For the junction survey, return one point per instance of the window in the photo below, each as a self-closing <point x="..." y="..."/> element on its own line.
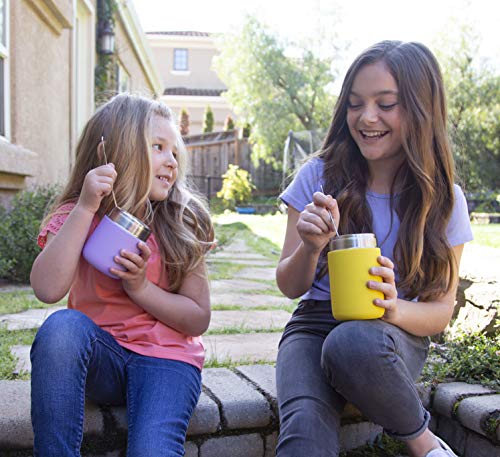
<point x="4" y="68"/>
<point x="180" y="59"/>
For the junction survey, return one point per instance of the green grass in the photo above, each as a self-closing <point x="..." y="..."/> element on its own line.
<point x="16" y="302"/>
<point x="486" y="235"/>
<point x="224" y="270"/>
<point x="7" y="360"/>
<point x="228" y="362"/>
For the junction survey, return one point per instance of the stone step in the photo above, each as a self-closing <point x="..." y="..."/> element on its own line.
<point x="248" y="300"/>
<point x="251" y="320"/>
<point x="33" y="318"/>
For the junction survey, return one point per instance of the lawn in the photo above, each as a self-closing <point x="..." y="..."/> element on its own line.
<point x="273" y="226"/>
<point x="487" y="235"/>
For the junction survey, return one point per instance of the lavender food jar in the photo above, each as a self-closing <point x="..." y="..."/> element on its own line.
<point x="116" y="231"/>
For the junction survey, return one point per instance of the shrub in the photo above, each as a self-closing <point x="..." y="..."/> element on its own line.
<point x="236" y="186"/>
<point x="19" y="227"/>
<point x="472" y="358"/>
<point x="208" y="120"/>
<point x="184" y="122"/>
<point x="228" y="123"/>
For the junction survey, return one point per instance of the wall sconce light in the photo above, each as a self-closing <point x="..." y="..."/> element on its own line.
<point x="107" y="38"/>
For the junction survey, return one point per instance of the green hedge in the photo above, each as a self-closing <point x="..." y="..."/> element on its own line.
<point x="19" y="227"/>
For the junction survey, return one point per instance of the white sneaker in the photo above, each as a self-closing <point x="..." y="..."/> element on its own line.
<point x="444" y="451"/>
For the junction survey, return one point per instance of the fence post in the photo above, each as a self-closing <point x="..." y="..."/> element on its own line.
<point x="209" y="187"/>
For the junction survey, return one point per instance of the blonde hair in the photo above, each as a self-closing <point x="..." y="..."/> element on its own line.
<point x="425" y="261"/>
<point x="181" y="223"/>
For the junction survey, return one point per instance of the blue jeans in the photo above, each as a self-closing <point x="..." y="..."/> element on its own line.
<point x="72" y="358"/>
<point x="322" y="363"/>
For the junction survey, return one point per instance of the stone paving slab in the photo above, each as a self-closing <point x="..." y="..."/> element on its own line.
<point x="236" y="245"/>
<point x="237" y="255"/>
<point x="23" y="358"/>
<point x="248" y="300"/>
<point x="242" y="347"/>
<point x="249" y="320"/>
<point x="257" y="273"/>
<point x="249" y="262"/>
<point x="32" y="318"/>
<point x="227" y="285"/>
<point x="242" y="405"/>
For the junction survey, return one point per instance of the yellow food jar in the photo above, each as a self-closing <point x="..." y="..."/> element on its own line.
<point x="349" y="259"/>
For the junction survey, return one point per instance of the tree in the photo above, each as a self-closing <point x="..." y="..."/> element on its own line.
<point x="271" y="90"/>
<point x="184" y="122"/>
<point x="473" y="92"/>
<point x="228" y="123"/>
<point x="208" y="120"/>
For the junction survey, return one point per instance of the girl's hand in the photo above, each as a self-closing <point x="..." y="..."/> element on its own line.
<point x="134" y="278"/>
<point x="314" y="225"/>
<point x="98" y="183"/>
<point x="387" y="287"/>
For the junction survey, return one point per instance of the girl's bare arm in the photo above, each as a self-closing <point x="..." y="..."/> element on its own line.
<point x="54" y="268"/>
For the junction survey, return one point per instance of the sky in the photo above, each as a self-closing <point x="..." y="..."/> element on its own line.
<point x="357" y="23"/>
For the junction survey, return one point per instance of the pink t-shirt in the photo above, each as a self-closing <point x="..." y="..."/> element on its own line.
<point x="103" y="300"/>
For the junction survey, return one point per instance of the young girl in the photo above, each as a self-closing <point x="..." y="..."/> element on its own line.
<point x="386" y="167"/>
<point x="134" y="340"/>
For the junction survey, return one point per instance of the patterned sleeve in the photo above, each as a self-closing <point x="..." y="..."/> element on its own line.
<point x="55" y="223"/>
<point x="307" y="181"/>
<point x="459" y="230"/>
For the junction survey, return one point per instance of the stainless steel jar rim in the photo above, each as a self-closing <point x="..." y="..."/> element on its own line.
<point x="130" y="223"/>
<point x="353" y="240"/>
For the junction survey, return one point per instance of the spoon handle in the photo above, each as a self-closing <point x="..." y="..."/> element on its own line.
<point x="332" y="220"/>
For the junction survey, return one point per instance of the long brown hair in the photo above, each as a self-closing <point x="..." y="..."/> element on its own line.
<point x="181" y="223"/>
<point x="424" y="182"/>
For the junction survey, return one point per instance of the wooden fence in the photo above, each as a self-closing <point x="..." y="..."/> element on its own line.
<point x="209" y="155"/>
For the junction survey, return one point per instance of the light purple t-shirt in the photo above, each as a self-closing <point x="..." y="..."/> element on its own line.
<point x="309" y="179"/>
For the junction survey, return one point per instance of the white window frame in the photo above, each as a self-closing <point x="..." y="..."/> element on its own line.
<point x="4" y="54"/>
<point x="174" y="68"/>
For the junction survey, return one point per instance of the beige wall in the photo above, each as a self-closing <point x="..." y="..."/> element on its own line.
<point x="199" y="76"/>
<point x="40" y="91"/>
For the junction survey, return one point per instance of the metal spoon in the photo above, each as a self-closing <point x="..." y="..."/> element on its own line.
<point x="332" y="220"/>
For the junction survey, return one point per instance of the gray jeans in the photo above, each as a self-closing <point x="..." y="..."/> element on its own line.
<point x="322" y="363"/>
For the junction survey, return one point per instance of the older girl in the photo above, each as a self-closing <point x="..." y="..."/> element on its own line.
<point x="387" y="162"/>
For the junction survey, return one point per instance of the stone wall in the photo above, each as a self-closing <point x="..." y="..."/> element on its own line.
<point x="236" y="416"/>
